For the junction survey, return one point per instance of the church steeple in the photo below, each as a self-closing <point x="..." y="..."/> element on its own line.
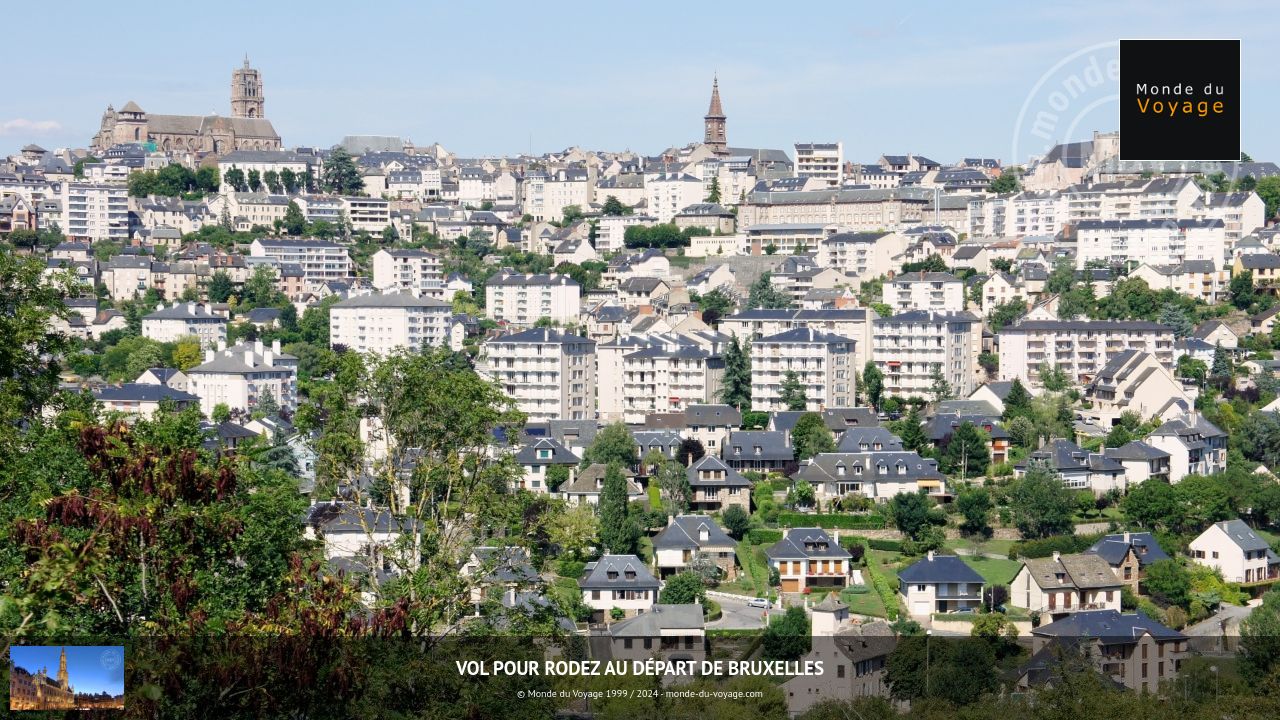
<point x="64" y="681"/>
<point x="714" y="122"/>
<point x="247" y="100"/>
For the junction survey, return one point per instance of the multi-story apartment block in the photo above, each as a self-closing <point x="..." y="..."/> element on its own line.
<point x="367" y="213"/>
<point x="1018" y="214"/>
<point x="242" y="377"/>
<point x="933" y="291"/>
<point x="1242" y="213"/>
<point x="321" y="208"/>
<point x="264" y="161"/>
<point x="862" y="254"/>
<point x="669" y="375"/>
<point x="1194" y="278"/>
<point x="824" y="161"/>
<point x="611" y="230"/>
<point x="1080" y="348"/>
<point x="550" y="374"/>
<point x="522" y="299"/>
<point x="912" y="348"/>
<point x="849" y="209"/>
<point x="388" y="322"/>
<point x="546" y="195"/>
<point x="95" y="211"/>
<point x="666" y="194"/>
<point x="1161" y="242"/>
<point x="180" y="320"/>
<point x="822" y="362"/>
<point x="320" y="260"/>
<point x="1131" y="650"/>
<point x="412" y="271"/>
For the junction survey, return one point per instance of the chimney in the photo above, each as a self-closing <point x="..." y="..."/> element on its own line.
<point x="257" y="346"/>
<point x="1057" y="556"/>
<point x="159" y="306"/>
<point x="208" y="356"/>
<point x="1126" y="537"/>
<point x="268" y="358"/>
<point x="191" y="308"/>
<point x="222" y="345"/>
<point x="835" y="536"/>
<point x="248" y="358"/>
<point x="275" y="346"/>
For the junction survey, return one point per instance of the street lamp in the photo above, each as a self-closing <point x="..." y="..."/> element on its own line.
<point x="1216" y="683"/>
<point x="927" y="635"/>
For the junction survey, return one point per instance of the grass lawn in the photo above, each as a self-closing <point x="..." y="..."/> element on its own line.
<point x="682" y="261"/>
<point x="994" y="571"/>
<point x="655" y="497"/>
<point x="1111" y="513"/>
<point x="753" y="573"/>
<point x="995" y="546"/>
<point x="646" y="549"/>
<point x="864" y="603"/>
<point x="566" y="589"/>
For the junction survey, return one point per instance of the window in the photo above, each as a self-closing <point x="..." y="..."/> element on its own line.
<point x="921" y="588"/>
<point x="840" y="671"/>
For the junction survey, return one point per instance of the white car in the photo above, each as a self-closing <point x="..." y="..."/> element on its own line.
<point x="762" y="603"/>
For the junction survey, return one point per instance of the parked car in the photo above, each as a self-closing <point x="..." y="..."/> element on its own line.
<point x="762" y="603"/>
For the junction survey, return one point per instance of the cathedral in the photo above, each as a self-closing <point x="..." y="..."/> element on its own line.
<point x="246" y="129"/>
<point x="39" y="691"/>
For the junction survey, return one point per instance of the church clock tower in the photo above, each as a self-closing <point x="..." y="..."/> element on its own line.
<point x="64" y="681"/>
<point x="246" y="92"/>
<point x="714" y="123"/>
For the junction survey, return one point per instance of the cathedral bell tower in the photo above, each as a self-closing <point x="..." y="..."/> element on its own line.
<point x="246" y="92"/>
<point x="714" y="123"/>
<point x="64" y="681"/>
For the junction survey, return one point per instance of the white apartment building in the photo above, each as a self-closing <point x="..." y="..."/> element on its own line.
<point x="550" y="374"/>
<point x="321" y="208"/>
<point x="933" y="291"/>
<point x="1018" y="214"/>
<point x="95" y="211"/>
<point x="1159" y="242"/>
<point x="862" y="254"/>
<point x="1156" y="199"/>
<point x="611" y="230"/>
<point x="388" y="322"/>
<point x="1080" y="348"/>
<point x="412" y="271"/>
<point x="320" y="260"/>
<point x="241" y="377"/>
<point x="546" y="195"/>
<point x="367" y="213"/>
<point x="910" y="347"/>
<point x="824" y="161"/>
<point x="613" y="402"/>
<point x="666" y="194"/>
<point x="522" y="299"/>
<point x="265" y="161"/>
<point x="169" y="324"/>
<point x="822" y="362"/>
<point x="1241" y="213"/>
<point x="849" y="209"/>
<point x="669" y="375"/>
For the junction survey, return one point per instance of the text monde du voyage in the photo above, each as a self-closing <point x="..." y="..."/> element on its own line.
<point x="1180" y="99"/>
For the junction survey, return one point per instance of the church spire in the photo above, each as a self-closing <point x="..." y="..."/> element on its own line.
<point x="714" y="135"/>
<point x="63" y="681"/>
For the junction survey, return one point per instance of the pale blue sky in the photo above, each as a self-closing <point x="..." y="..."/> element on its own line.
<point x="945" y="80"/>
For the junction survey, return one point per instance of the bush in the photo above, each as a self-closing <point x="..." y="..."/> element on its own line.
<point x="763" y="536"/>
<point x="711" y="610"/>
<point x="1045" y="547"/>
<point x="857" y="550"/>
<point x="570" y="568"/>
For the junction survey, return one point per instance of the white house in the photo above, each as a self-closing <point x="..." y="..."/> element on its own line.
<point x="809" y="557"/>
<point x="618" y="581"/>
<point x="383" y="323"/>
<point x="939" y="584"/>
<point x="168" y="324"/>
<point x="1065" y="583"/>
<point x="1235" y="550"/>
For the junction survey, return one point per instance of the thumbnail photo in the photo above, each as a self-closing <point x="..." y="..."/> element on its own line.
<point x="49" y="677"/>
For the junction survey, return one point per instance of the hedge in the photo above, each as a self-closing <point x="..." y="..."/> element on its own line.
<point x="764" y="536"/>
<point x="834" y="522"/>
<point x="885" y="545"/>
<point x="570" y="568"/>
<point x="1045" y="547"/>
<point x="888" y="595"/>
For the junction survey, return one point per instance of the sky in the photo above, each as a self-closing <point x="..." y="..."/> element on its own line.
<point x="90" y="669"/>
<point x="940" y="79"/>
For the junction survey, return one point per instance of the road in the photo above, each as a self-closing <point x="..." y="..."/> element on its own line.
<point x="735" y="615"/>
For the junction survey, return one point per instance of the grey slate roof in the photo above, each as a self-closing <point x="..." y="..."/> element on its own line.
<point x="1082" y="571"/>
<point x="560" y="455"/>
<point x="1242" y="535"/>
<point x="865" y="439"/>
<point x="713" y="415"/>
<point x="630" y="574"/>
<point x="142" y="392"/>
<point x="939" y="569"/>
<point x="1111" y="626"/>
<point x="658" y="618"/>
<point x="1113" y="548"/>
<point x="741" y="445"/>
<point x="732" y="478"/>
<point x="684" y="531"/>
<point x="803" y="543"/>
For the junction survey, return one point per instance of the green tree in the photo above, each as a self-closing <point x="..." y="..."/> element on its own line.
<point x="1041" y="504"/>
<point x="613" y="444"/>
<point x="787" y="637"/>
<point x="614" y="206"/>
<point x="801" y="494"/>
<point x="673" y="480"/>
<point x="260" y="289"/>
<point x="1258" y="438"/>
<point x="735" y="384"/>
<point x="1152" y="504"/>
<point x="911" y="431"/>
<point x="872" y="384"/>
<point x="1173" y="316"/>
<point x="619" y="533"/>
<point x="1268" y="188"/>
<point x="910" y="513"/>
<point x="1169" y="582"/>
<point x="254" y="180"/>
<point x="295" y="223"/>
<point x="810" y="436"/>
<point x="187" y="354"/>
<point x="236" y="179"/>
<point x="939" y="388"/>
<point x="764" y="295"/>
<point x="1006" y="314"/>
<point x="713" y="194"/>
<point x="1221" y="367"/>
<point x="966" y="452"/>
<point x="1260" y="642"/>
<point x="221" y="413"/>
<point x="1018" y="402"/>
<point x="1241" y="288"/>
<point x="736" y="521"/>
<point x="574" y="530"/>
<point x="975" y="507"/>
<point x="792" y="393"/>
<point x="271" y="179"/>
<point x="29" y="347"/>
<point x="714" y="305"/>
<point x="684" y="588"/>
<point x="1006" y="183"/>
<point x="289" y="181"/>
<point x="340" y="175"/>
<point x="1023" y="433"/>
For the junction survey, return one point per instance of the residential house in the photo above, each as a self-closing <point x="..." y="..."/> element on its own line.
<point x="1131" y="650"/>
<point x="1078" y="468"/>
<point x="1133" y="381"/>
<point x="853" y="655"/>
<point x="763" y="451"/>
<point x="1065" y="583"/>
<point x="1141" y="462"/>
<point x="687" y="536"/>
<point x="169" y="377"/>
<point x="618" y="581"/>
<point x="940" y="427"/>
<point x="712" y="424"/>
<point x="504" y="572"/>
<point x="1195" y="446"/>
<point x="538" y="457"/>
<point x="364" y="540"/>
<point x="169" y="324"/>
<point x="140" y="399"/>
<point x="716" y="486"/>
<point x="874" y="475"/>
<point x="588" y="486"/>
<point x="939" y="584"/>
<point x="244" y="376"/>
<point x="809" y="558"/>
<point x="1129" y="554"/>
<point x="666" y="632"/>
<point x="1265" y="269"/>
<point x="1235" y="550"/>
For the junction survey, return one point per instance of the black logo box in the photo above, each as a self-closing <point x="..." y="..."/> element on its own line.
<point x="1187" y="68"/>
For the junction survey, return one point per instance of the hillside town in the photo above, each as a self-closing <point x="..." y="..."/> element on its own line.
<point x="711" y="402"/>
